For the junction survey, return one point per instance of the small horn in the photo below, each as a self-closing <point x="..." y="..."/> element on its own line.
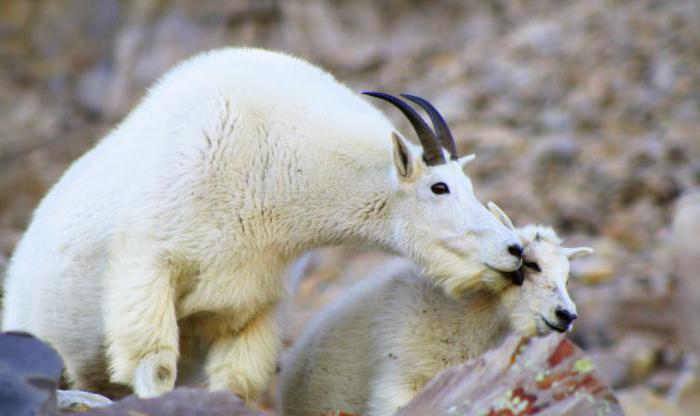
<point x="442" y="130"/>
<point x="576" y="251"/>
<point x="500" y="215"/>
<point x="432" y="152"/>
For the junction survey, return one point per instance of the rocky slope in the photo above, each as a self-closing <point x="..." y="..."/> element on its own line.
<point x="584" y="115"/>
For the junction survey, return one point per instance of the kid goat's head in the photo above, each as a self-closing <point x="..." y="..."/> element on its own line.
<point x="540" y="302"/>
<point x="436" y="219"/>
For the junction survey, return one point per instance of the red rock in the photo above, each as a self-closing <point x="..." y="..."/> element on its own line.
<point x="542" y="376"/>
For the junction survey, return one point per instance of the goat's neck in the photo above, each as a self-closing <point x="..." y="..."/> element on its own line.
<point x="484" y="314"/>
<point x="340" y="211"/>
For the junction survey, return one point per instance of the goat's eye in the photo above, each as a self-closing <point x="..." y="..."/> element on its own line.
<point x="532" y="265"/>
<point x="440" y="188"/>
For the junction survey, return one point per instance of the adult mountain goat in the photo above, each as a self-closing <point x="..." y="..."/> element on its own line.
<point x="371" y="353"/>
<point x="162" y="249"/>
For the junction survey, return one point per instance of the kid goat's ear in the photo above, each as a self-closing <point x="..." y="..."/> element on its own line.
<point x="500" y="215"/>
<point x="403" y="159"/>
<point x="464" y="160"/>
<point x="574" y="252"/>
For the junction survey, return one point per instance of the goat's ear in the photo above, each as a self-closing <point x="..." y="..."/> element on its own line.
<point x="498" y="213"/>
<point x="464" y="160"/>
<point x="573" y="252"/>
<point x="403" y="159"/>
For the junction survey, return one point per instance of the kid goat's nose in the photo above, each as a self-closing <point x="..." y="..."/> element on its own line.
<point x="565" y="316"/>
<point x="516" y="250"/>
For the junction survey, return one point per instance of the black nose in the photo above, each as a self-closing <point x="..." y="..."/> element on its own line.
<point x="565" y="316"/>
<point x="516" y="250"/>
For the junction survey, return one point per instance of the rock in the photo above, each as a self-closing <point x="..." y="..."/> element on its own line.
<point x="557" y="150"/>
<point x="641" y="401"/>
<point x="593" y="270"/>
<point x="538" y="35"/>
<point x="181" y="401"/>
<point x="630" y="362"/>
<point x="613" y="370"/>
<point x="30" y="372"/>
<point x="544" y="376"/>
<point x="686" y="229"/>
<point x="641" y="354"/>
<point x="338" y="413"/>
<point x="688" y="394"/>
<point x="583" y="116"/>
<point x="72" y="401"/>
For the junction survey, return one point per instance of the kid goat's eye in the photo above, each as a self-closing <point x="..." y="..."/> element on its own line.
<point x="440" y="188"/>
<point x="532" y="265"/>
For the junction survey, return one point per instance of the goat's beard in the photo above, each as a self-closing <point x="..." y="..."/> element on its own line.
<point x="458" y="281"/>
<point x="457" y="272"/>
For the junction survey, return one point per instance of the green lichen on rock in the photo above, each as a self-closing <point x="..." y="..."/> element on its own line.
<point x="583" y="366"/>
<point x="541" y="375"/>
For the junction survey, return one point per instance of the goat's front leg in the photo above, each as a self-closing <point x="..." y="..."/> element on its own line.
<point x="140" y="324"/>
<point x="242" y="362"/>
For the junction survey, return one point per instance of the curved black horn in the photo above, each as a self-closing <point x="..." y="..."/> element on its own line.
<point x="432" y="152"/>
<point x="442" y="130"/>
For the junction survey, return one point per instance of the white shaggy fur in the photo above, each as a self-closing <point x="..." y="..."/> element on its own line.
<point x="372" y="352"/>
<point x="158" y="255"/>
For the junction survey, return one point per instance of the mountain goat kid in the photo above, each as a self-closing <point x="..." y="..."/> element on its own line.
<point x="158" y="256"/>
<point x="371" y="353"/>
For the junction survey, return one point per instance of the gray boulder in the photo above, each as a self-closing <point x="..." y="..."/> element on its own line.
<point x="179" y="402"/>
<point x="30" y="373"/>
